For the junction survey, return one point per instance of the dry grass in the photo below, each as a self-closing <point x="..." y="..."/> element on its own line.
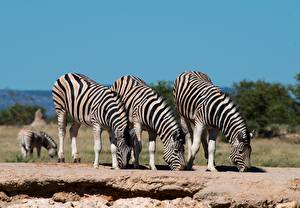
<point x="265" y="152"/>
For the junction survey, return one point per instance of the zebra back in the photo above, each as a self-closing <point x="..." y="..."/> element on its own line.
<point x="89" y="102"/>
<point x="149" y="106"/>
<point x="197" y="98"/>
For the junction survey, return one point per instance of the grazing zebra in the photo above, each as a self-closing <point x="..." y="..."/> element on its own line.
<point x="28" y="140"/>
<point x="205" y="109"/>
<point x="94" y="105"/>
<point x="148" y="111"/>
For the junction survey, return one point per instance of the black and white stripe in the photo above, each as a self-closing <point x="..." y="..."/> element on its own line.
<point x="204" y="108"/>
<point x="28" y="140"/>
<point x="94" y="105"/>
<point x="148" y="111"/>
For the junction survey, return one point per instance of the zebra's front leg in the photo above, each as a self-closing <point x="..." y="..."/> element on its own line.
<point x="38" y="151"/>
<point x="197" y="133"/>
<point x="113" y="149"/>
<point x="152" y="138"/>
<point x="137" y="145"/>
<point x="213" y="133"/>
<point x="61" y="118"/>
<point x="73" y="134"/>
<point x="188" y="139"/>
<point x="97" y="144"/>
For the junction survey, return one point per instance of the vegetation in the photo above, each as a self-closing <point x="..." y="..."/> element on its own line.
<point x="265" y="106"/>
<point x="18" y="114"/>
<point x="265" y="152"/>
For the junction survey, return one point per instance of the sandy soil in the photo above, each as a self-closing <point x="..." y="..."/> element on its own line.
<point x="79" y="185"/>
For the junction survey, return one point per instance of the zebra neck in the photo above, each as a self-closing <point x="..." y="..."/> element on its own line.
<point x="233" y="127"/>
<point x="45" y="142"/>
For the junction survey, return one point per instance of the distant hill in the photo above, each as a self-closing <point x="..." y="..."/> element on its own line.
<point x="41" y="98"/>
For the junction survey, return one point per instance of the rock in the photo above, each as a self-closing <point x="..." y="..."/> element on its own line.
<point x="38" y="119"/>
<point x="292" y="204"/>
<point x="65" y="197"/>
<point x="4" y="197"/>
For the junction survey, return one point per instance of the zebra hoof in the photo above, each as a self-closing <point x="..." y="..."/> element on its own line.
<point x="211" y="170"/>
<point x="61" y="160"/>
<point x="76" y="160"/>
<point x="153" y="168"/>
<point x="96" y="166"/>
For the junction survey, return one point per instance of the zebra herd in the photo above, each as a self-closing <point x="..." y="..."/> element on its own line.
<point x="130" y="106"/>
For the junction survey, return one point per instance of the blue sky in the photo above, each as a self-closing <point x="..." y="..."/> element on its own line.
<point x="155" y="40"/>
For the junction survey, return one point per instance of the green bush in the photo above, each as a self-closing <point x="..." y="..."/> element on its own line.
<point x="263" y="104"/>
<point x="18" y="114"/>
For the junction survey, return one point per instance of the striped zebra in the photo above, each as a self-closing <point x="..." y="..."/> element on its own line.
<point x="204" y="110"/>
<point x="28" y="140"/>
<point x="148" y="111"/>
<point x="94" y="105"/>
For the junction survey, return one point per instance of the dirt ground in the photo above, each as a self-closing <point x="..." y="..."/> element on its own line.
<point x="80" y="185"/>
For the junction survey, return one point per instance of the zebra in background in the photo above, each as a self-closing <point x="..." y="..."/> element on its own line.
<point x="94" y="105"/>
<point x="148" y="111"/>
<point x="28" y="140"/>
<point x="204" y="110"/>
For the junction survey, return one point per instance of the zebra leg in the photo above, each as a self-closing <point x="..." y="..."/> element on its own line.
<point x="152" y="138"/>
<point x="213" y="133"/>
<point x="137" y="146"/>
<point x="97" y="144"/>
<point x="38" y="151"/>
<point x="61" y="118"/>
<point x="197" y="133"/>
<point x="186" y="128"/>
<point x="23" y="151"/>
<point x="113" y="149"/>
<point x="73" y="134"/>
<point x="204" y="141"/>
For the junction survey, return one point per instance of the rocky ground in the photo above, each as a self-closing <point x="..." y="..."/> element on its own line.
<point x="73" y="185"/>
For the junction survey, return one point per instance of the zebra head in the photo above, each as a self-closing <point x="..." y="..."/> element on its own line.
<point x="174" y="151"/>
<point x="241" y="150"/>
<point x="124" y="145"/>
<point x="49" y="144"/>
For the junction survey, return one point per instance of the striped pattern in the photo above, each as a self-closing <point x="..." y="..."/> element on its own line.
<point x="203" y="106"/>
<point x="147" y="110"/>
<point x="94" y="105"/>
<point x="28" y="140"/>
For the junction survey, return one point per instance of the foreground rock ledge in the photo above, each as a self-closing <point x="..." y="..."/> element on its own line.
<point x="272" y="187"/>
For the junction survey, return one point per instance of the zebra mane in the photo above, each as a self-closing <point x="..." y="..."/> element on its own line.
<point x="48" y="139"/>
<point x="179" y="135"/>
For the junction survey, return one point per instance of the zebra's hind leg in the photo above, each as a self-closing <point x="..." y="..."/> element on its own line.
<point x="61" y="118"/>
<point x="97" y="144"/>
<point x="152" y="138"/>
<point x="213" y="133"/>
<point x="23" y="151"/>
<point x="73" y="134"/>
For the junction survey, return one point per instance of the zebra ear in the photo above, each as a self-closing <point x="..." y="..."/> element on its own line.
<point x="253" y="134"/>
<point x="240" y="137"/>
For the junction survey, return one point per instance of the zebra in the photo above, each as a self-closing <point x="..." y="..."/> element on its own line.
<point x="147" y="110"/>
<point x="94" y="105"/>
<point x="28" y="140"/>
<point x="204" y="110"/>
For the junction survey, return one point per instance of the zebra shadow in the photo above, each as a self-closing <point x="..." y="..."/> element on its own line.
<point x="226" y="168"/>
